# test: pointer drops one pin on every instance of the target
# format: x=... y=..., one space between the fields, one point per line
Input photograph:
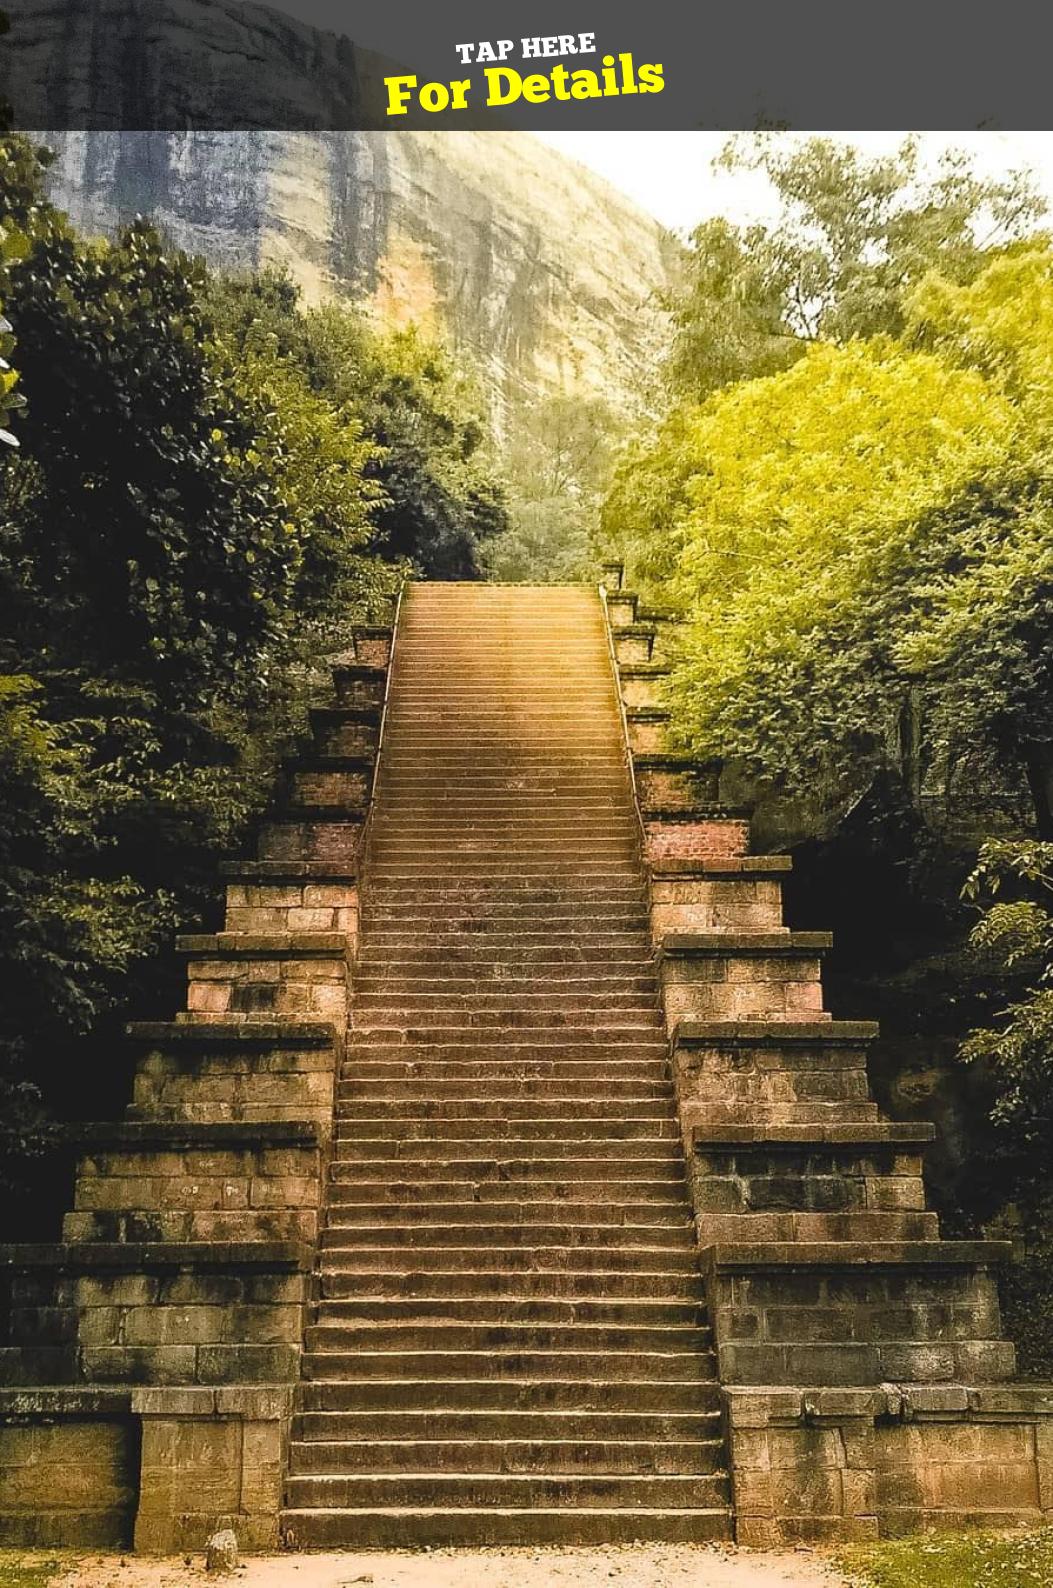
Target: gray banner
x=331 y=64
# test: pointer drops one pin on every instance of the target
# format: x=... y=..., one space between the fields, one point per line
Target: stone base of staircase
x=865 y=1382
x=816 y=1464
x=149 y=1358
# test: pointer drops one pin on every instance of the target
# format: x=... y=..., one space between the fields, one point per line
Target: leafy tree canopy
x=437 y=501
x=558 y=460
x=211 y=485
x=855 y=235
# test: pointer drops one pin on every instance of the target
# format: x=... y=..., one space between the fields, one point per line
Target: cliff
x=539 y=270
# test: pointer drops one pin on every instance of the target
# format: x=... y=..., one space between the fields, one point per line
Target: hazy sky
x=669 y=173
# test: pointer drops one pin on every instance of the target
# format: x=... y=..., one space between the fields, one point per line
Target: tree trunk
x=910 y=745
x=1039 y=765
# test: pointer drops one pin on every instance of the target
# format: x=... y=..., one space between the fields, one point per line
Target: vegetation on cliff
x=209 y=484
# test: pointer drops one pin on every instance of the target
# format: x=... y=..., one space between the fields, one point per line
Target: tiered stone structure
x=866 y=1384
x=150 y=1359
x=526 y=1192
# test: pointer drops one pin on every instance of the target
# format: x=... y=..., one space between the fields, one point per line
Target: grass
x=1020 y=1560
x=18 y=1570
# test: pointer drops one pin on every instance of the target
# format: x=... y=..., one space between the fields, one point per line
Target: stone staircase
x=510 y=1343
x=511 y=1183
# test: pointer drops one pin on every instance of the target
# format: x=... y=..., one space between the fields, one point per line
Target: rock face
x=538 y=269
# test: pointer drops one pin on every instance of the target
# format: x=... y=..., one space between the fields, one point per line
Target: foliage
x=442 y=502
x=436 y=502
x=857 y=521
x=1016 y=1560
x=1016 y=934
x=196 y=511
x=854 y=237
x=558 y=461
x=808 y=512
x=18 y=171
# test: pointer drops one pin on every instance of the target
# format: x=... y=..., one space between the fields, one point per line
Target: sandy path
x=631 y=1566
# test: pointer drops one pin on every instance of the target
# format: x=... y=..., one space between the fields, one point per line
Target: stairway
x=509 y=1344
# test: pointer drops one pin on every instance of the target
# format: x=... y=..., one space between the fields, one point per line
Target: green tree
x=558 y=460
x=437 y=500
x=180 y=532
x=864 y=541
x=855 y=235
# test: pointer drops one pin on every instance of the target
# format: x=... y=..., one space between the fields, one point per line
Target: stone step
x=486 y=1105
x=517 y=1054
x=480 y=1283
x=434 y=923
x=433 y=919
x=495 y=1525
x=443 y=1453
x=498 y=947
x=528 y=994
x=426 y=766
x=406 y=1069
x=488 y=1006
x=647 y=1255
x=561 y=1082
x=344 y=1234
x=599 y=882
x=524 y=837
x=428 y=835
x=547 y=746
x=587 y=1133
x=508 y=1058
x=512 y=1428
x=376 y=1020
x=345 y=1206
x=549 y=728
x=556 y=796
x=589 y=1394
x=547 y=802
x=544 y=1146
x=492 y=1173
x=507 y=707
x=356 y=1365
x=429 y=1335
x=555 y=980
x=338 y=1490
x=574 y=855
x=612 y=1200
x=523 y=966
x=506 y=871
x=480 y=1047
x=493 y=1311
x=526 y=900
x=642 y=1034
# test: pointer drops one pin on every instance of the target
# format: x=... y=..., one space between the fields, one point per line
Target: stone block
x=67 y=1483
x=696 y=839
x=232 y=1364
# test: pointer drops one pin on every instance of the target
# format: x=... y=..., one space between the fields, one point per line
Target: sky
x=669 y=173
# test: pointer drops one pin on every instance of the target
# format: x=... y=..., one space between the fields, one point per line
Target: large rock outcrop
x=536 y=267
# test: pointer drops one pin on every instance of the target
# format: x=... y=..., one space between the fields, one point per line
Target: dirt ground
x=631 y=1566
